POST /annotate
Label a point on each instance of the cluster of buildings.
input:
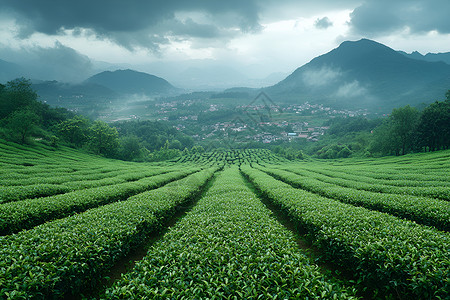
(261, 122)
(321, 109)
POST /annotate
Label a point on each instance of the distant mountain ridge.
(431, 57)
(364, 74)
(132, 82)
(103, 87)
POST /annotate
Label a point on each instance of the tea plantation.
(237, 224)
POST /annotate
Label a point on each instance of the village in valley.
(258, 121)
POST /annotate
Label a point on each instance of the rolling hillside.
(238, 224)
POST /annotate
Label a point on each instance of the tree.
(16, 94)
(384, 141)
(434, 126)
(398, 134)
(175, 144)
(130, 148)
(22, 123)
(197, 149)
(75, 130)
(405, 121)
(103, 139)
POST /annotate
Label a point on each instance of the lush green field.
(239, 224)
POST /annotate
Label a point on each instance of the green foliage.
(434, 126)
(130, 148)
(164, 154)
(406, 130)
(289, 152)
(22, 123)
(75, 130)
(398, 134)
(197, 149)
(334, 151)
(153, 135)
(341, 126)
(16, 94)
(404, 122)
(23, 116)
(103, 139)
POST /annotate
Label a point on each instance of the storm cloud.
(149, 24)
(263, 36)
(374, 18)
(135, 22)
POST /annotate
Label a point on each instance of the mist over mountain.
(210, 77)
(59, 63)
(361, 74)
(9, 71)
(73, 94)
(207, 74)
(132, 82)
(105, 87)
(364, 74)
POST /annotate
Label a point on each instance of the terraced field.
(241, 224)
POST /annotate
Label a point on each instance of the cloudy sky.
(254, 37)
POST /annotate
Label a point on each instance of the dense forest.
(24, 119)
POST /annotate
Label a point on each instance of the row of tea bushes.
(427, 211)
(25, 214)
(63, 257)
(386, 254)
(61, 184)
(228, 246)
(440, 191)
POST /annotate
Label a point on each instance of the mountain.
(9, 71)
(132, 82)
(364, 74)
(444, 57)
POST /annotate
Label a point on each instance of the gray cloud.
(148, 23)
(323, 23)
(134, 22)
(152, 23)
(59, 62)
(380, 17)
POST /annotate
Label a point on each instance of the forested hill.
(132, 82)
(364, 74)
